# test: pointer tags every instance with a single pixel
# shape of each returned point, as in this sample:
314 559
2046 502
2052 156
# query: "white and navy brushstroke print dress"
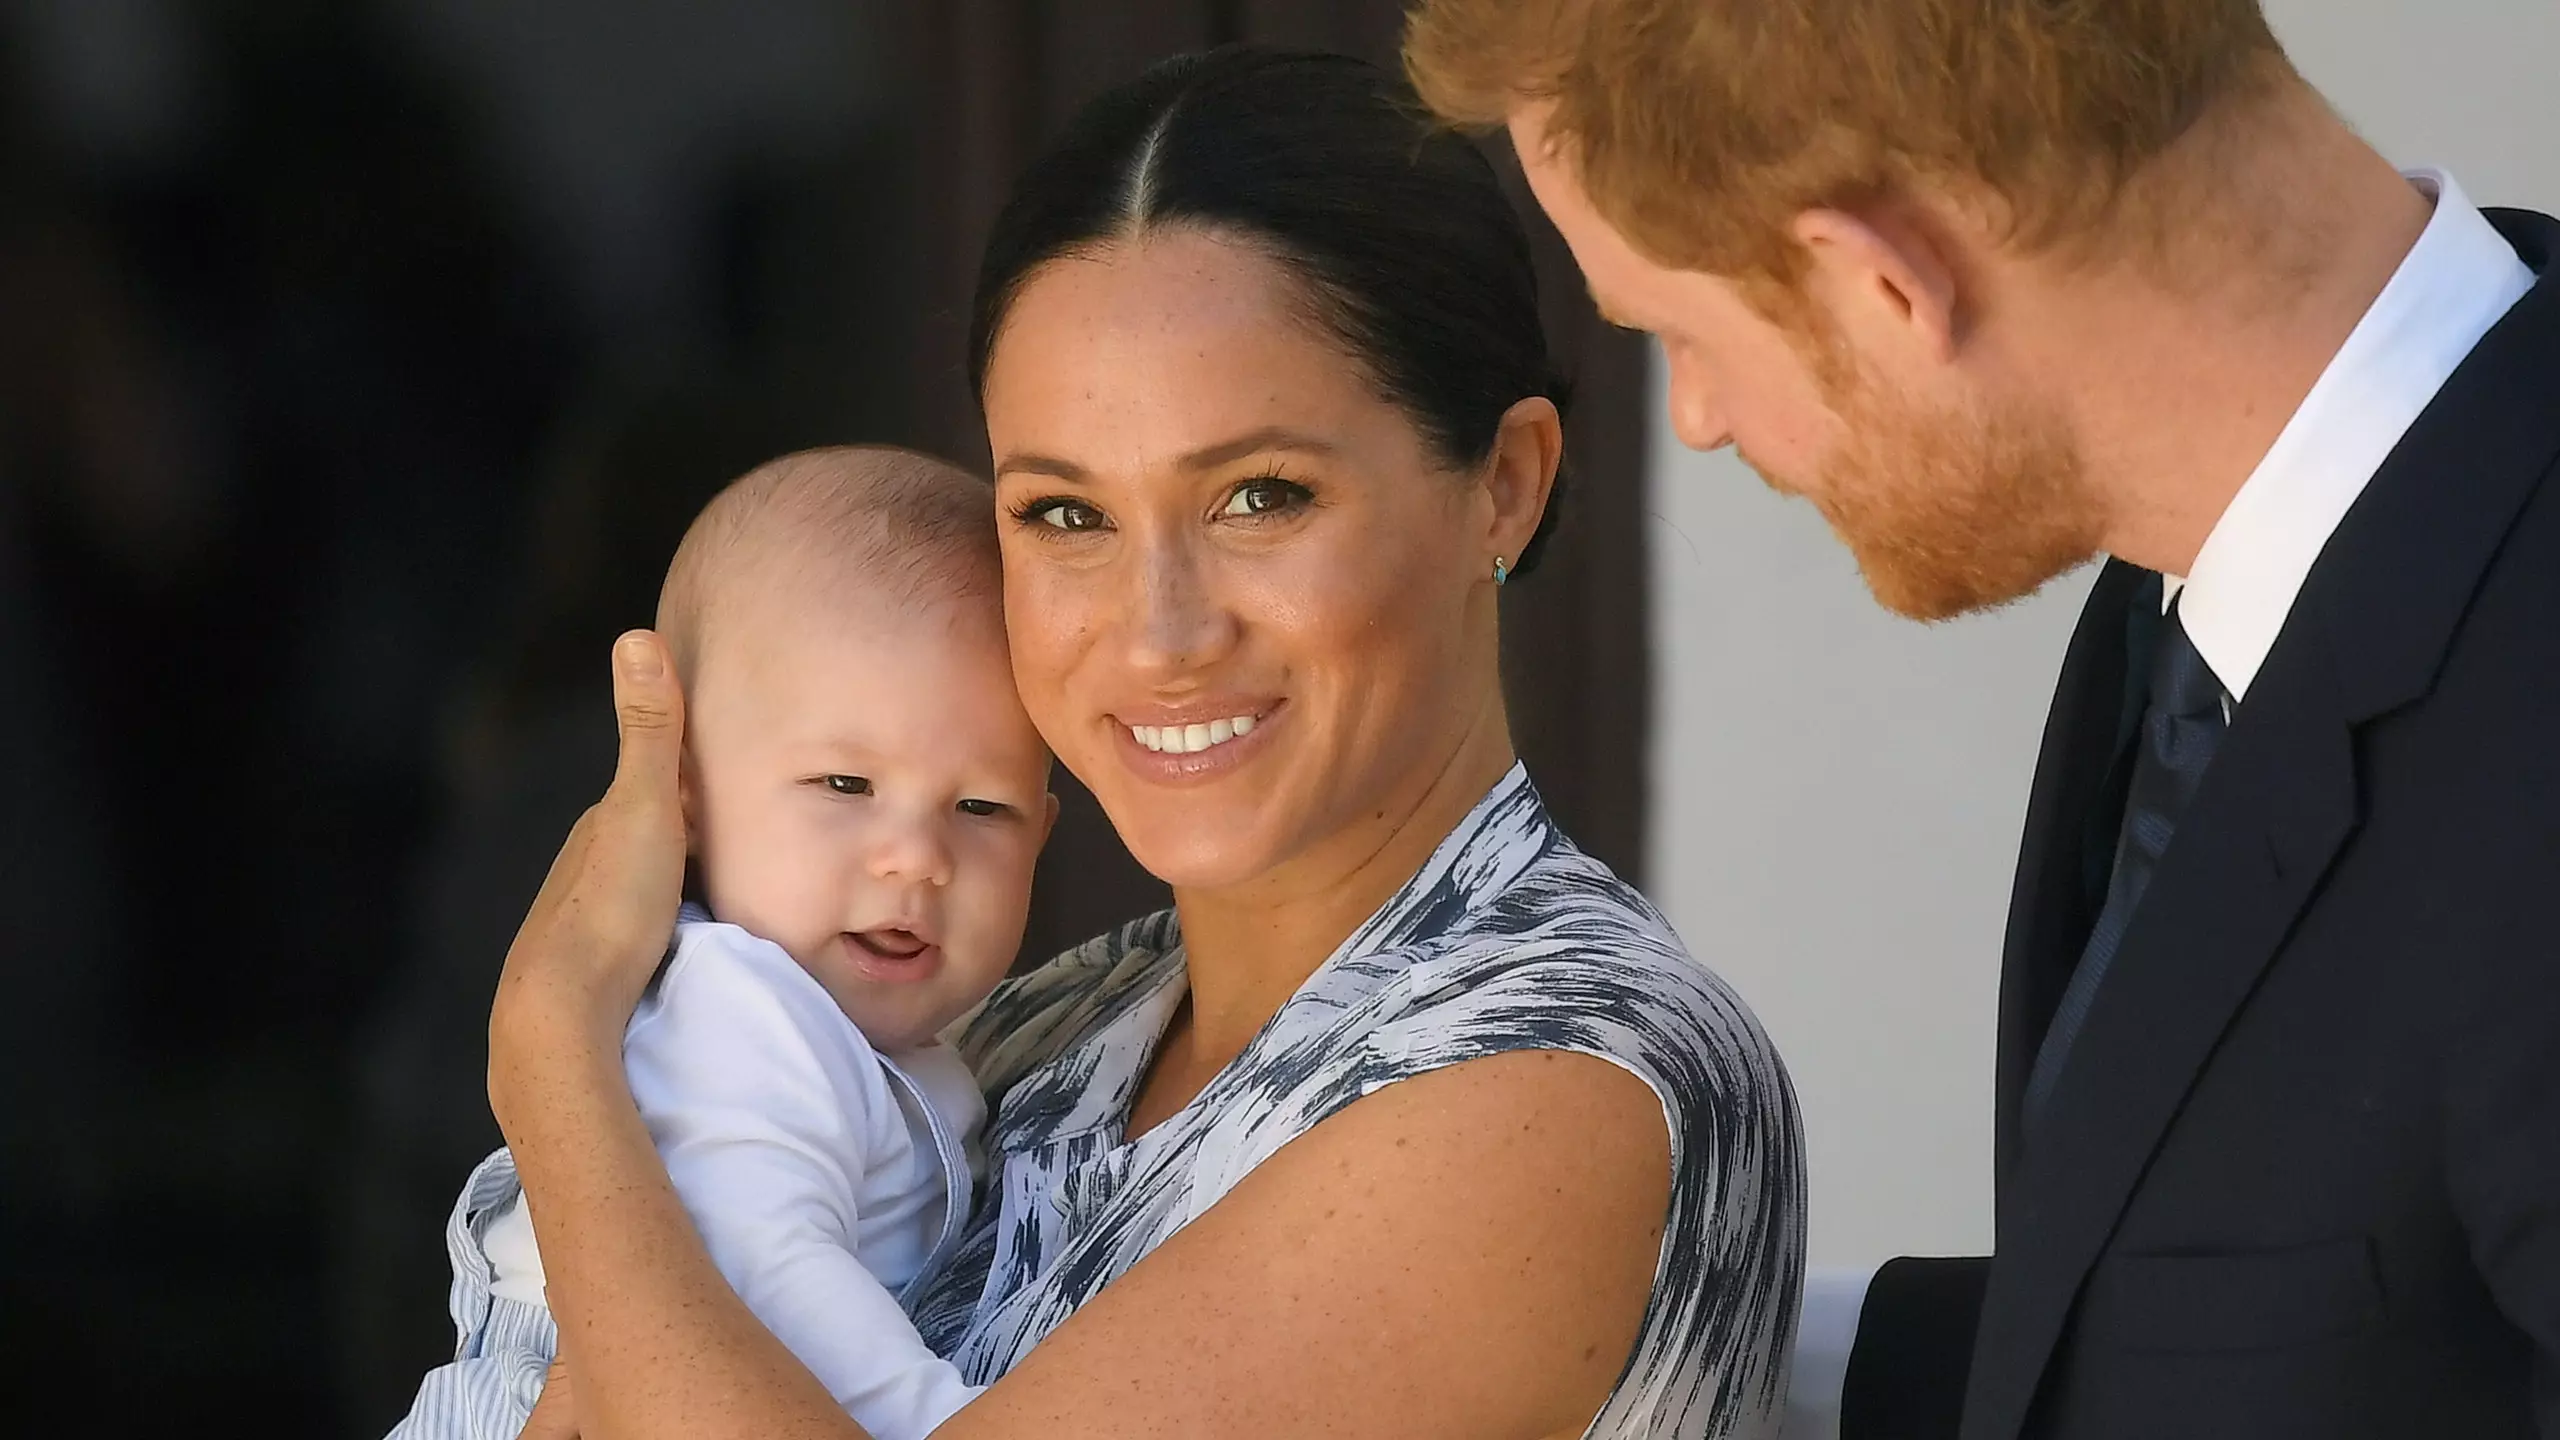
1509 938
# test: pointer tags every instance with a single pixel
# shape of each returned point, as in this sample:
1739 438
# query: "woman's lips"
1198 744
1194 738
892 954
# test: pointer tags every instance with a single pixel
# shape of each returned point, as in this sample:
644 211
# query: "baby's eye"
1064 514
984 809
846 784
1270 495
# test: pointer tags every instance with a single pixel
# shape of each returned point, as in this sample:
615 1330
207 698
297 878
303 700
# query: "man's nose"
1698 417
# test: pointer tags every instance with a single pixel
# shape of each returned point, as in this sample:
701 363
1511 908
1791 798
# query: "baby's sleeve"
762 1100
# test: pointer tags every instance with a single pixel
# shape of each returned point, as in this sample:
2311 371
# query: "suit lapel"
2078 786
2367 635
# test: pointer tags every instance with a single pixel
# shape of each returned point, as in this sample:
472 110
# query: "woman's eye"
1073 515
984 809
846 784
1265 497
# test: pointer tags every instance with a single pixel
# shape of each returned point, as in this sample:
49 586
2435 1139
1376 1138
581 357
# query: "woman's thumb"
648 707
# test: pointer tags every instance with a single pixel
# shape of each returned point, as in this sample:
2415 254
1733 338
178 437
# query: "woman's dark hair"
1398 228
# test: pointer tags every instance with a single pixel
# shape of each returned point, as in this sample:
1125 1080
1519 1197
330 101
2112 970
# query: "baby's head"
862 787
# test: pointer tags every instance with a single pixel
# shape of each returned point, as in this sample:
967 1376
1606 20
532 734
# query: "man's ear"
1886 277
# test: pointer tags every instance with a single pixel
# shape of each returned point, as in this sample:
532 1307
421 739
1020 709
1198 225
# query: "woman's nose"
1175 621
912 851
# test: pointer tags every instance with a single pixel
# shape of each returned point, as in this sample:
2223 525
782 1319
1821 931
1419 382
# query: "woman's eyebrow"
1269 437
1048 465
1207 457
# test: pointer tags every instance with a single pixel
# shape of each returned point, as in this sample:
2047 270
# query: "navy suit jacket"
2301 1174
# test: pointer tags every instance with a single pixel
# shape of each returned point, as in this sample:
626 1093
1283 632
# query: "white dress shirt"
2455 283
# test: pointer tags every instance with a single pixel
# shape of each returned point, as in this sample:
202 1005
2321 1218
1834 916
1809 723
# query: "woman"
1409 1119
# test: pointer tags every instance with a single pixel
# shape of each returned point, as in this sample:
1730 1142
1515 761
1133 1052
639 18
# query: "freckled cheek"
1348 620
1051 622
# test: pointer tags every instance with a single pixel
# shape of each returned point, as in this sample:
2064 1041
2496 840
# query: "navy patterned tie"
2182 724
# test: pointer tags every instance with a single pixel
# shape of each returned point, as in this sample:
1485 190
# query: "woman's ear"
1520 475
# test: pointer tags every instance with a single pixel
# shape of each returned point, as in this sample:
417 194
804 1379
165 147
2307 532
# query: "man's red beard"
1951 513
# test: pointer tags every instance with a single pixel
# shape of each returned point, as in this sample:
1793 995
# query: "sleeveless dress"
1509 938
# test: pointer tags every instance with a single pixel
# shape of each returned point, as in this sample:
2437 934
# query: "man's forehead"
1609 264
1549 169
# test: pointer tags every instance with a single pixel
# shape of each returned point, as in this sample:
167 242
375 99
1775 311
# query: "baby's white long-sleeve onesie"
825 1177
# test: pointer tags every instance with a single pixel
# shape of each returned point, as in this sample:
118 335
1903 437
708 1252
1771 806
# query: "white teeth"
1191 739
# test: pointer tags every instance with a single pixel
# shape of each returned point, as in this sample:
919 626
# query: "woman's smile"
1193 743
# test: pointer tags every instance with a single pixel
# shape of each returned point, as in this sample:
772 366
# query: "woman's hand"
600 924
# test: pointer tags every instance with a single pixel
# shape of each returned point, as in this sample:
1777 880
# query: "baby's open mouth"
891 944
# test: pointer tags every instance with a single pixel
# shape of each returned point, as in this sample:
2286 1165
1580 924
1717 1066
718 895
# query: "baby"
864 798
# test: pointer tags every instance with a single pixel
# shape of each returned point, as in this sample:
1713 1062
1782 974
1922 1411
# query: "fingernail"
639 658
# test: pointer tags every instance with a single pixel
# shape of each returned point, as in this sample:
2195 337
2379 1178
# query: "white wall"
1838 794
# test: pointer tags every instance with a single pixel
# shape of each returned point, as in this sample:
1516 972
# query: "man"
2001 285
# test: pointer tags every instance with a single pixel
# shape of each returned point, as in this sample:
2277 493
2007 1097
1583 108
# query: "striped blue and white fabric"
503 1347
1510 938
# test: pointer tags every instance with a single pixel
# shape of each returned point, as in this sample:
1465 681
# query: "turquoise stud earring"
1501 572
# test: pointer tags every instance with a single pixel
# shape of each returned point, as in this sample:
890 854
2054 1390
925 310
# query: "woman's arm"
1468 1253
1464 1254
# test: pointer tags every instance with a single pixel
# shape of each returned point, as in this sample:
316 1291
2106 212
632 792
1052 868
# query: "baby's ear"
1049 822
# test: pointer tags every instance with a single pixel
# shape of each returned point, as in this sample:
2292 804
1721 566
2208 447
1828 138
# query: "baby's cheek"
993 932
985 936
1000 864
772 900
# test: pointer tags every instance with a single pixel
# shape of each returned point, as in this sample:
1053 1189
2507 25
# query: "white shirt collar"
2452 287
